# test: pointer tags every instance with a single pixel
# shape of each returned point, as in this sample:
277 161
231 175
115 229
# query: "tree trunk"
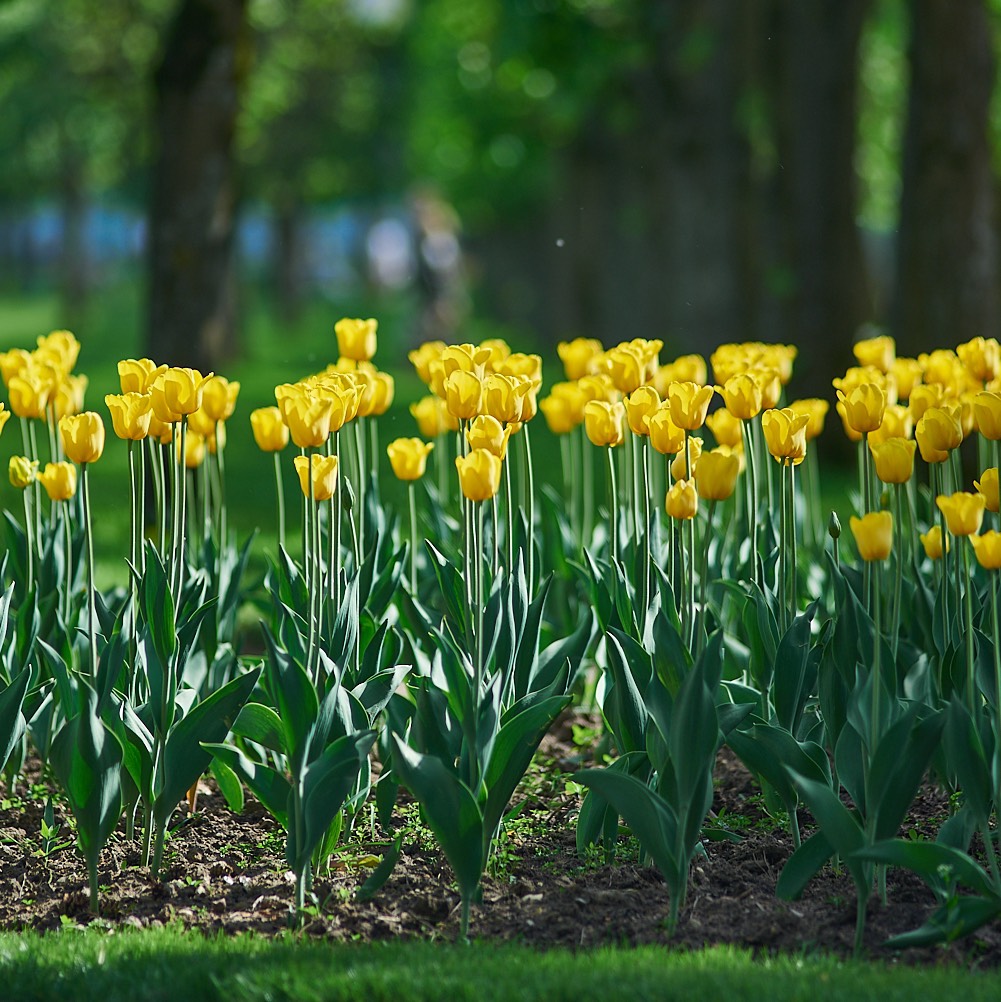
192 215
947 254
287 262
813 61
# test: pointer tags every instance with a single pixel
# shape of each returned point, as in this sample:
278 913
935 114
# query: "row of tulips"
447 648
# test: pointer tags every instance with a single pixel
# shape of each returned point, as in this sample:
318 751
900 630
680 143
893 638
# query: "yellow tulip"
726 429
938 433
864 406
988 549
4 415
779 357
219 398
160 431
923 397
770 385
689 404
942 366
682 500
988 486
422 357
716 475
785 434
876 351
850 432
383 393
502 396
520 364
987 414
679 469
932 542
816 410
894 459
433 417
465 358
982 357
270 431
29 394
59 480
598 387
201 424
68 395
486 432
22 471
873 535
463 394
625 365
728 360
308 419
640 404
479 474
409 457
323 470
137 374
82 436
907 375
130 414
60 348
194 449
529 400
499 350
964 512
742 396
604 422
356 339
665 436
580 357
898 422
558 413
177 392
13 363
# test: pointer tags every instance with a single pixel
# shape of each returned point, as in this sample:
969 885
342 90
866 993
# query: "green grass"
168 964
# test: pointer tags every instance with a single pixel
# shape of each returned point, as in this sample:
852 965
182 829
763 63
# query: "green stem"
531 509
362 478
510 517
613 494
29 538
793 547
280 495
898 581
968 609
89 535
704 577
877 678
413 538
647 568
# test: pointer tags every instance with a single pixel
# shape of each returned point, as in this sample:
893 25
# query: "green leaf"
623 705
157 605
928 860
512 753
649 818
450 809
270 787
382 872
12 723
950 922
260 724
802 866
184 758
229 785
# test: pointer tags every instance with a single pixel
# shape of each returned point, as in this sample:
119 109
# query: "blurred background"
215 182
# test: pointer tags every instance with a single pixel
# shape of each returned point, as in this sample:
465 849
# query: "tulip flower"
194 450
270 433
130 414
877 351
463 394
640 405
4 416
682 501
665 436
894 459
987 414
988 549
864 406
322 470
177 392
82 437
726 428
422 357
716 475
988 486
59 480
625 365
29 394
982 357
742 396
219 398
931 541
519 364
873 535
408 457
67 397
479 474
579 357
689 404
137 374
356 339
22 471
785 434
502 396
499 350
308 419
686 461
383 393
486 432
964 512
558 413
603 422
433 417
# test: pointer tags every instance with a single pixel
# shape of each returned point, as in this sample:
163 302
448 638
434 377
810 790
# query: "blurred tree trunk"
812 63
947 270
192 214
287 258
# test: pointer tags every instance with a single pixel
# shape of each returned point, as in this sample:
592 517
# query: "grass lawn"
169 964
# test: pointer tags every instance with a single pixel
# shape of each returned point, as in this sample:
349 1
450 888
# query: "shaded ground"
226 872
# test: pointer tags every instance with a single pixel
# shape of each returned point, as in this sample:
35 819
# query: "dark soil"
226 873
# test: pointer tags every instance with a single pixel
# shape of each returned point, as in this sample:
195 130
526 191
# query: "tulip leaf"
184 759
12 722
270 787
802 866
450 809
294 697
623 706
382 872
791 684
930 860
950 922
260 724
